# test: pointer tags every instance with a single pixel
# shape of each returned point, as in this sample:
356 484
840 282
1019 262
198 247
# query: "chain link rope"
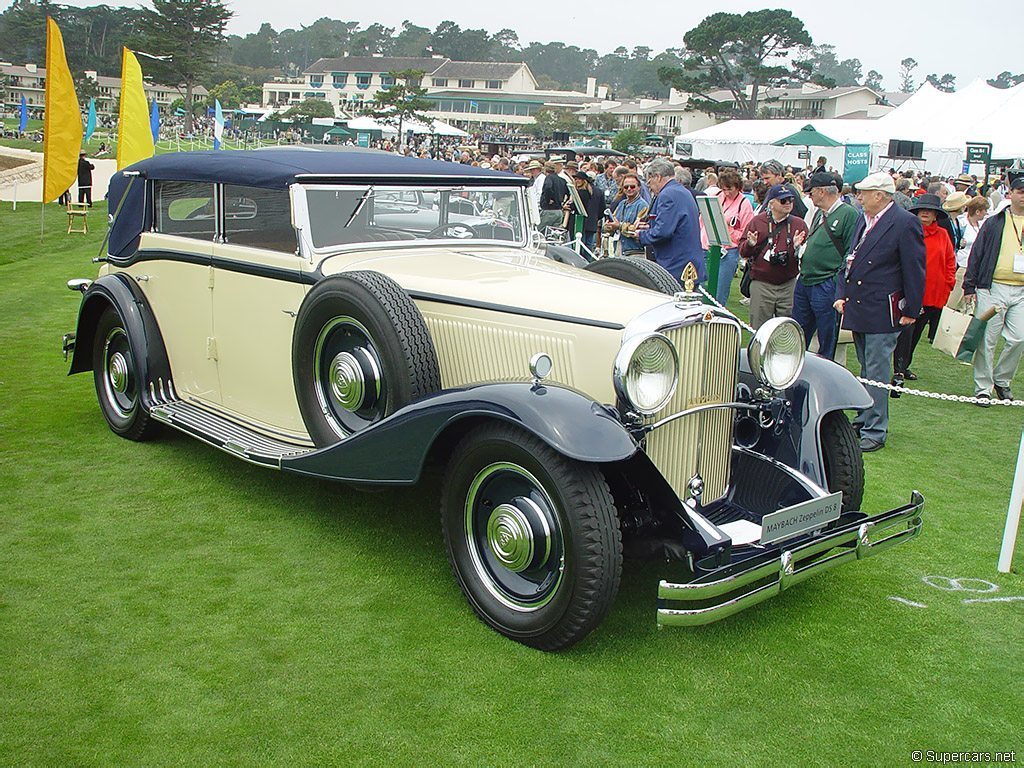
885 385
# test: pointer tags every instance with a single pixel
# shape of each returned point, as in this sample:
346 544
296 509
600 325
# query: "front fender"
823 387
119 292
395 449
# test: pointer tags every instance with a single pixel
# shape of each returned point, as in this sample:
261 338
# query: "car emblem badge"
689 277
709 316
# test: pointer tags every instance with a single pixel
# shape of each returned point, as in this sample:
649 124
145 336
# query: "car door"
174 268
259 282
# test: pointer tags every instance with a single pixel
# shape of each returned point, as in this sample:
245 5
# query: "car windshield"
349 215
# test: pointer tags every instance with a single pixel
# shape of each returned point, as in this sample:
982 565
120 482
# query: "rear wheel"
115 373
844 463
532 537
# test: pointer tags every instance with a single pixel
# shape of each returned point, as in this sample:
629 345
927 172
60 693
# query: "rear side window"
259 218
186 208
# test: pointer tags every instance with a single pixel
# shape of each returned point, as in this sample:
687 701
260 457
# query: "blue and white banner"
218 124
23 120
154 121
90 121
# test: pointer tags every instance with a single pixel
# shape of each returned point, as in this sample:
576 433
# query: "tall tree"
945 83
740 54
874 80
188 33
311 108
412 41
376 38
907 67
257 49
403 101
821 65
1006 79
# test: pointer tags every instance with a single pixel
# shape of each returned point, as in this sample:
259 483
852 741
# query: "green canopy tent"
807 137
340 132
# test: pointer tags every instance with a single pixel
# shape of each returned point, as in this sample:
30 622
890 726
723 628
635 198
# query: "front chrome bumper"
732 588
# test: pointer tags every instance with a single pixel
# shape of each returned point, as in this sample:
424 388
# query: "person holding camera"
769 243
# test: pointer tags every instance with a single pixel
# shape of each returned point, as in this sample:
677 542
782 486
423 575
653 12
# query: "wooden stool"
78 211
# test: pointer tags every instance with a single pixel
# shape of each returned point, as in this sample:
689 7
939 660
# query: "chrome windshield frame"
522 231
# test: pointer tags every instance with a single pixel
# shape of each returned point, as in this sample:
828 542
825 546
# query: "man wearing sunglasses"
770 242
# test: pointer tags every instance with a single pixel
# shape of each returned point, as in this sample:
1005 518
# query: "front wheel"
532 537
844 462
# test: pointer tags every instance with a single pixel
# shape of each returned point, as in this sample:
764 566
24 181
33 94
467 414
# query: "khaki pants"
768 301
1008 323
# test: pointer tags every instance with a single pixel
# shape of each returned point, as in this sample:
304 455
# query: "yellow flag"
134 137
62 121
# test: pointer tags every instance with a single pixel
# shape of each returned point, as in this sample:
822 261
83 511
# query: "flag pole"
1013 513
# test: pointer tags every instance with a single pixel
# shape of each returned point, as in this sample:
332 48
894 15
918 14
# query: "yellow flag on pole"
134 135
62 120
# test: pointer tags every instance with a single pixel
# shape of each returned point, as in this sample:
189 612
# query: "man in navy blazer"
879 292
673 227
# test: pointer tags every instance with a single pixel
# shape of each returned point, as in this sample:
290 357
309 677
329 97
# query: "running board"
223 433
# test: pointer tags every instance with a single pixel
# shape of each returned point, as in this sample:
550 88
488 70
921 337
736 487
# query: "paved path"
30 191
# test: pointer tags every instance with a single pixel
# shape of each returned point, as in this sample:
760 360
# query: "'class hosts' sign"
858 162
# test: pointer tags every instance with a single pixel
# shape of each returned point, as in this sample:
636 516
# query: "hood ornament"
689 296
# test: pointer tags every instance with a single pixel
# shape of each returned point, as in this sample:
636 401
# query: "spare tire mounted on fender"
361 351
636 271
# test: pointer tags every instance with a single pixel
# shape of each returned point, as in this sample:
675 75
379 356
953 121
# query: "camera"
778 258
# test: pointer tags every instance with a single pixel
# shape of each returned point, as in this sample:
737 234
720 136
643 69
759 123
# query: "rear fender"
118 291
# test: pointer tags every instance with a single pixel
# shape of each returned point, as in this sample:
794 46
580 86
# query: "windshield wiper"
359 205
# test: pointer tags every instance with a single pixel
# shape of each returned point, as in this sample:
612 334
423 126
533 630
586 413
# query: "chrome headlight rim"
621 370
759 351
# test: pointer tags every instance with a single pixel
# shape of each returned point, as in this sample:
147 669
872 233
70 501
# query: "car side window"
259 218
186 208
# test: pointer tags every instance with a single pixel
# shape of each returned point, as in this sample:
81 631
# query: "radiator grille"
701 443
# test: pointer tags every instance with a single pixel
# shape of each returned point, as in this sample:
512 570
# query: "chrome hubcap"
117 370
510 538
347 383
514 537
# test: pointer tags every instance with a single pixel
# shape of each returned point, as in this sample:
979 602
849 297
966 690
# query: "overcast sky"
939 34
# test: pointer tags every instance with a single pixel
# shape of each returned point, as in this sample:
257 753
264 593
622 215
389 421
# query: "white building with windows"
465 93
29 80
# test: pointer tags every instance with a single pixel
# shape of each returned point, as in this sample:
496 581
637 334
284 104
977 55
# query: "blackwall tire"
361 351
116 376
640 272
532 537
844 462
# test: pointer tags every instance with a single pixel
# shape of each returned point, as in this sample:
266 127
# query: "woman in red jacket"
939 278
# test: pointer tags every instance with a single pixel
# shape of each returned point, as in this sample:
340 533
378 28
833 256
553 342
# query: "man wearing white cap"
879 292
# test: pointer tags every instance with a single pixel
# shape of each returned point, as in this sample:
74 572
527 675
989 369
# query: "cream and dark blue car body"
274 304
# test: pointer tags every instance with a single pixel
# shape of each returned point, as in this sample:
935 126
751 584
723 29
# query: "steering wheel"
452 229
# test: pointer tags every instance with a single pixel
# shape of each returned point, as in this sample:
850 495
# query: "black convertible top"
278 168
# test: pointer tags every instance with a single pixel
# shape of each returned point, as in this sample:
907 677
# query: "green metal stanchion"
714 261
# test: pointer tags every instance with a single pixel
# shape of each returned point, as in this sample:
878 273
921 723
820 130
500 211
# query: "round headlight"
776 353
646 372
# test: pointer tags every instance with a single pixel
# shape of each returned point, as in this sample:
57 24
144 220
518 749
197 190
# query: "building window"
439 82
363 81
495 84
466 83
316 81
386 81
340 79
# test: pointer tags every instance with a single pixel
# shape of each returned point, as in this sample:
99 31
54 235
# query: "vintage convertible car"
361 316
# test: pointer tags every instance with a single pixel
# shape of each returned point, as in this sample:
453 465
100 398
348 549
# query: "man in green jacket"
831 228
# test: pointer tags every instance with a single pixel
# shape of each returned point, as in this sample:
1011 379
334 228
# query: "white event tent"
438 127
945 122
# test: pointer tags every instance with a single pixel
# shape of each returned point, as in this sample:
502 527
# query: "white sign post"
1013 513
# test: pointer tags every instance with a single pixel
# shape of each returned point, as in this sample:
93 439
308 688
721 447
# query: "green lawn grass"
166 604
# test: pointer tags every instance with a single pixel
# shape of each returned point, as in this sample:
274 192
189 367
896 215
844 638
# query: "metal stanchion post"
714 262
1013 513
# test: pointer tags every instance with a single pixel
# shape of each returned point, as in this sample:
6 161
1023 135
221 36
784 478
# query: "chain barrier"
883 385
